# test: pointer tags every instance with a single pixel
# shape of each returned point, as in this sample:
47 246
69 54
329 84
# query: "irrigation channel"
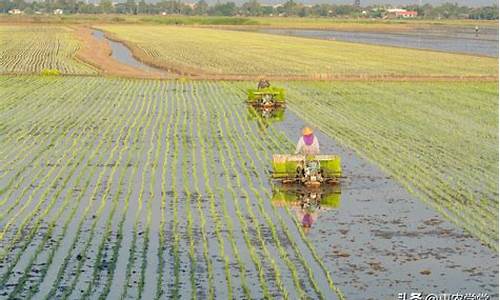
122 54
465 41
124 188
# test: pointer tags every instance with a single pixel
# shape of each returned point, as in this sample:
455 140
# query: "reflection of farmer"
307 217
308 211
308 143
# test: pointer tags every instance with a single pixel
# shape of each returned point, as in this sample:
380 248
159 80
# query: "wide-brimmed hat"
307 131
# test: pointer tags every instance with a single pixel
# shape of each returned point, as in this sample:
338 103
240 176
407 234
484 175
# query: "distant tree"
142 7
251 8
131 7
186 10
248 8
342 10
290 7
485 13
266 10
302 11
322 10
201 8
223 9
171 7
426 10
19 4
6 5
123 8
106 6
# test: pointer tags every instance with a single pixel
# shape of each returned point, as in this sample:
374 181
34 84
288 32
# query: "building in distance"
401 13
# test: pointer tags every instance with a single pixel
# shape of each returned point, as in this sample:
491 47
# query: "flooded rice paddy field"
160 189
381 240
456 39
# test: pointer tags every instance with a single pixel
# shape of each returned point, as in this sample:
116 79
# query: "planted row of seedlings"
51 169
222 133
16 185
104 245
213 51
38 48
275 248
67 200
167 196
277 142
235 100
441 149
217 207
33 131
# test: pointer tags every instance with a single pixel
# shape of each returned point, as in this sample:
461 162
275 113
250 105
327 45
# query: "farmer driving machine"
308 170
266 96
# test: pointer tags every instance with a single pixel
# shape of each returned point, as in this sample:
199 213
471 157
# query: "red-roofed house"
400 13
406 14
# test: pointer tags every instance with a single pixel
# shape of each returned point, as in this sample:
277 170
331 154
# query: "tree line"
249 8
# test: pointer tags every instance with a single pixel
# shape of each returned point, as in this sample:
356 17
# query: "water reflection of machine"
266 103
306 202
268 114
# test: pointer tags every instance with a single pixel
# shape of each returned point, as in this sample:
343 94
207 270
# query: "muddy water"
123 54
376 236
382 241
462 41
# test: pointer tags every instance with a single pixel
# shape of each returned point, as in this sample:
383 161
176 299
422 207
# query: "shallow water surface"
123 54
381 240
464 41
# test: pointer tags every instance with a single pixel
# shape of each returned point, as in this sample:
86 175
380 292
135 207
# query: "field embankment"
210 52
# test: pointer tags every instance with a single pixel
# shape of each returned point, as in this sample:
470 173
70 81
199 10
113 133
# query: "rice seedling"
211 51
154 189
48 49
